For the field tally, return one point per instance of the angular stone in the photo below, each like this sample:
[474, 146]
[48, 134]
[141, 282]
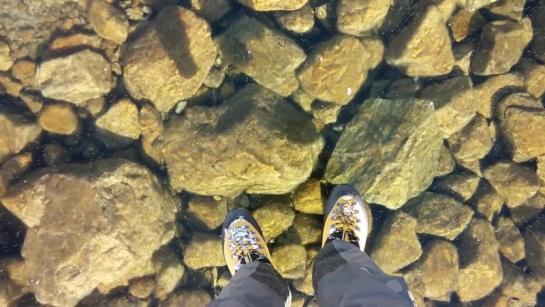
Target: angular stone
[472, 166]
[206, 212]
[480, 265]
[274, 218]
[211, 10]
[169, 272]
[240, 159]
[435, 275]
[446, 162]
[204, 251]
[75, 78]
[462, 57]
[273, 5]
[290, 260]
[8, 85]
[325, 113]
[454, 104]
[108, 21]
[299, 21]
[534, 78]
[522, 129]
[486, 92]
[307, 229]
[24, 70]
[513, 182]
[188, 298]
[528, 210]
[13, 168]
[337, 68]
[510, 240]
[304, 285]
[397, 244]
[59, 118]
[521, 100]
[389, 151]
[120, 125]
[17, 133]
[170, 59]
[10, 293]
[358, 17]
[307, 198]
[520, 287]
[473, 5]
[534, 239]
[509, 9]
[537, 47]
[501, 45]
[441, 215]
[462, 185]
[423, 48]
[151, 123]
[73, 41]
[464, 23]
[489, 202]
[5, 56]
[100, 223]
[251, 47]
[474, 141]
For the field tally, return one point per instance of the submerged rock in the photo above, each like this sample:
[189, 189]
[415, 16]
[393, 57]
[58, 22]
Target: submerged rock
[120, 125]
[12, 169]
[463, 185]
[274, 218]
[485, 95]
[423, 48]
[337, 68]
[534, 78]
[510, 240]
[273, 5]
[358, 17]
[519, 286]
[89, 220]
[206, 212]
[17, 133]
[389, 151]
[537, 47]
[501, 46]
[59, 118]
[76, 78]
[170, 59]
[108, 21]
[397, 244]
[253, 48]
[488, 202]
[308, 198]
[241, 145]
[5, 56]
[299, 21]
[513, 182]
[290, 261]
[204, 251]
[435, 275]
[211, 10]
[534, 239]
[480, 265]
[474, 141]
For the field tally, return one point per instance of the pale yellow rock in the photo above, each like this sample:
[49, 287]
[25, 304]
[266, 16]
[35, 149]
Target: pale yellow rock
[528, 210]
[204, 251]
[5, 56]
[307, 198]
[206, 212]
[211, 10]
[510, 240]
[337, 68]
[120, 125]
[32, 100]
[9, 85]
[304, 285]
[75, 40]
[462, 57]
[423, 48]
[24, 70]
[299, 21]
[273, 5]
[151, 123]
[59, 118]
[171, 58]
[446, 162]
[474, 141]
[473, 5]
[513, 182]
[108, 21]
[290, 261]
[274, 218]
[96, 106]
[358, 17]
[142, 287]
[17, 133]
[307, 228]
[251, 47]
[534, 78]
[484, 93]
[509, 9]
[463, 185]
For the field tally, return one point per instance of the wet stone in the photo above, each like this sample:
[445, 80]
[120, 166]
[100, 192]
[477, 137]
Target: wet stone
[299, 21]
[534, 78]
[489, 202]
[290, 261]
[537, 47]
[509, 9]
[274, 218]
[337, 68]
[462, 185]
[473, 5]
[441, 215]
[423, 48]
[251, 47]
[359, 17]
[528, 210]
[307, 198]
[17, 133]
[204, 251]
[388, 170]
[168, 62]
[169, 271]
[211, 10]
[73, 41]
[273, 5]
[150, 122]
[5, 56]
[501, 46]
[435, 275]
[59, 118]
[474, 141]
[187, 298]
[307, 229]
[230, 138]
[510, 240]
[75, 78]
[513, 182]
[480, 265]
[108, 21]
[304, 284]
[206, 212]
[24, 71]
[397, 244]
[464, 23]
[120, 125]
[520, 287]
[534, 239]
[12, 169]
[142, 287]
[485, 94]
[446, 162]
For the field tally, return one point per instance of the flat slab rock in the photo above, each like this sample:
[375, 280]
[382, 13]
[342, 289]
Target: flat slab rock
[98, 223]
[389, 151]
[254, 142]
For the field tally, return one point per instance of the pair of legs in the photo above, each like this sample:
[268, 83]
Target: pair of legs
[343, 274]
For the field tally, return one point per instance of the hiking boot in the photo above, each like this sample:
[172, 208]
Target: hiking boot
[243, 240]
[345, 217]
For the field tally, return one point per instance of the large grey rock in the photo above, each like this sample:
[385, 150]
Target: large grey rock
[99, 225]
[253, 142]
[359, 17]
[17, 133]
[75, 78]
[389, 151]
[513, 182]
[170, 58]
[480, 265]
[252, 48]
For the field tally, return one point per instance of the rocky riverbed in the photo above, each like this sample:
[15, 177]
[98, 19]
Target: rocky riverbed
[129, 128]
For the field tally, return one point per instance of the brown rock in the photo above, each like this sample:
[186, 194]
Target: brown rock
[170, 59]
[5, 56]
[474, 141]
[108, 21]
[510, 9]
[54, 154]
[169, 272]
[423, 48]
[151, 123]
[513, 182]
[528, 210]
[534, 78]
[521, 288]
[274, 218]
[299, 21]
[537, 46]
[463, 185]
[16, 134]
[241, 160]
[534, 239]
[188, 298]
[76, 40]
[120, 125]
[307, 198]
[100, 223]
[59, 118]
[204, 251]
[251, 47]
[211, 10]
[462, 57]
[75, 78]
[358, 17]
[446, 162]
[473, 5]
[206, 212]
[480, 265]
[485, 93]
[307, 229]
[274, 5]
[24, 70]
[397, 244]
[435, 275]
[501, 46]
[142, 287]
[489, 202]
[290, 261]
[510, 240]
[464, 23]
[304, 285]
[32, 100]
[441, 215]
[13, 168]
[337, 68]
[9, 85]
